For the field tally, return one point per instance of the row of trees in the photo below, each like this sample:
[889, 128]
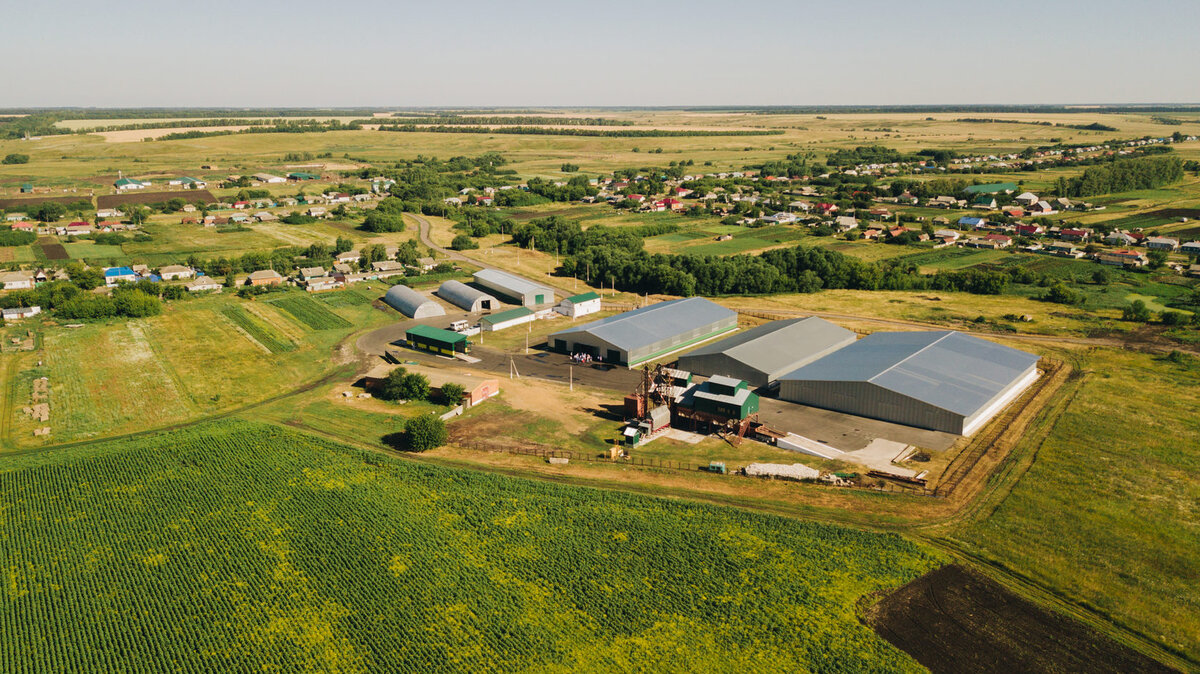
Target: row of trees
[798, 269]
[1123, 175]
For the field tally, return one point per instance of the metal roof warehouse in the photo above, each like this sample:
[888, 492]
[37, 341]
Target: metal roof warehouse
[465, 297]
[650, 332]
[514, 288]
[764, 353]
[945, 381]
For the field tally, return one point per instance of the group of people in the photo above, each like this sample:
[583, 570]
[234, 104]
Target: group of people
[585, 358]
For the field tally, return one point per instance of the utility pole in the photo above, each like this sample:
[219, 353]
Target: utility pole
[571, 376]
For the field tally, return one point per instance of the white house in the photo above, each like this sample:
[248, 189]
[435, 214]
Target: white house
[579, 305]
[268, 178]
[203, 284]
[1191, 248]
[17, 313]
[174, 272]
[16, 280]
[1162, 243]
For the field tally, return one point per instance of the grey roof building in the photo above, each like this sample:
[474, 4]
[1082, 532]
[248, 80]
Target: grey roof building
[945, 381]
[465, 297]
[412, 303]
[762, 354]
[650, 332]
[513, 288]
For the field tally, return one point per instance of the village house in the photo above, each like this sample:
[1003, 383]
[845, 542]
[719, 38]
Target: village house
[265, 277]
[203, 284]
[1191, 248]
[115, 275]
[1122, 257]
[1023, 229]
[1162, 243]
[173, 272]
[16, 280]
[20, 313]
[268, 178]
[1072, 234]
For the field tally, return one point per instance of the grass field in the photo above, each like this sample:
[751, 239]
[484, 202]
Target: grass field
[1107, 512]
[236, 546]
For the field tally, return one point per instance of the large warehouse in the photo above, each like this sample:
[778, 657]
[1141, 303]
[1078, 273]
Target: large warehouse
[650, 332]
[763, 354]
[465, 297]
[412, 303]
[944, 381]
[513, 288]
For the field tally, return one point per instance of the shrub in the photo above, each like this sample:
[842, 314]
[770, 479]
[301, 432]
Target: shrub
[463, 242]
[16, 158]
[1173, 318]
[1136, 311]
[383, 222]
[453, 393]
[424, 433]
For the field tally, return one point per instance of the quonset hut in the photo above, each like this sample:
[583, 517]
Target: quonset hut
[944, 381]
[465, 297]
[513, 288]
[762, 354]
[650, 332]
[412, 303]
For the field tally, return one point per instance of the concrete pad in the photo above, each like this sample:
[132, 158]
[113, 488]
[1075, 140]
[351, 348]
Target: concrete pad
[845, 431]
[685, 436]
[879, 454]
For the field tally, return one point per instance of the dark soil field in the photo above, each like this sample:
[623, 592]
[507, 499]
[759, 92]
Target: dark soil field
[18, 204]
[191, 196]
[54, 251]
[956, 620]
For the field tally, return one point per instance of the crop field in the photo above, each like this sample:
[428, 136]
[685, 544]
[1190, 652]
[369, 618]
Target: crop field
[343, 298]
[310, 313]
[237, 546]
[139, 197]
[54, 251]
[92, 251]
[257, 329]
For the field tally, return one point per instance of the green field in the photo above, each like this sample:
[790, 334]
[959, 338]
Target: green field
[236, 546]
[310, 313]
[258, 329]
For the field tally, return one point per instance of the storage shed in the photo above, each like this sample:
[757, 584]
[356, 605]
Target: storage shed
[650, 332]
[506, 319]
[579, 305]
[412, 303]
[436, 340]
[944, 381]
[465, 297]
[762, 354]
[513, 288]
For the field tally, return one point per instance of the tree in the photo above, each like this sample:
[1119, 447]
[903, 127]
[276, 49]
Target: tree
[381, 222]
[424, 433]
[84, 278]
[453, 393]
[16, 158]
[136, 304]
[400, 384]
[343, 245]
[463, 242]
[1173, 318]
[1101, 277]
[1157, 258]
[48, 212]
[138, 214]
[1136, 311]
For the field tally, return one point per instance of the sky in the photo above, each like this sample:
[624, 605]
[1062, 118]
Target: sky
[527, 53]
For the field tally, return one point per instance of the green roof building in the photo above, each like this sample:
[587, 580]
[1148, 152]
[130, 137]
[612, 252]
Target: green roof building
[301, 175]
[724, 397]
[26, 188]
[506, 319]
[436, 340]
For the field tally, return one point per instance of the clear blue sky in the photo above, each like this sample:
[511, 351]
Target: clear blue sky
[542, 52]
